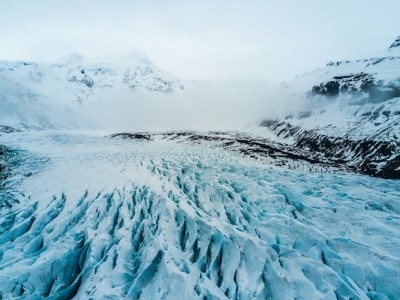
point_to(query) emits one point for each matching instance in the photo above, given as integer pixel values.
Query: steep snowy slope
(374, 79)
(351, 113)
(149, 217)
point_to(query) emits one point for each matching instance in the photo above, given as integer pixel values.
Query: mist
(200, 106)
(238, 52)
(209, 40)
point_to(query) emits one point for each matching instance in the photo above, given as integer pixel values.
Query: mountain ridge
(351, 112)
(84, 80)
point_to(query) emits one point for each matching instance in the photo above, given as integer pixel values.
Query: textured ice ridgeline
(282, 144)
(111, 218)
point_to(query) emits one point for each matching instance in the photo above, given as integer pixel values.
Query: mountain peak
(73, 58)
(396, 43)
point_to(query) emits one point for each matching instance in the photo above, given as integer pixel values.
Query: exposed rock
(396, 43)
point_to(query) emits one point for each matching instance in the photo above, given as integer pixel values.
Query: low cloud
(201, 106)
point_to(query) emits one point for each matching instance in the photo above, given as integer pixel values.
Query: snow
(250, 214)
(76, 79)
(112, 218)
(364, 106)
(73, 91)
(385, 67)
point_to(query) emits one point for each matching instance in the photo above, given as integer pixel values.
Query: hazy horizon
(225, 40)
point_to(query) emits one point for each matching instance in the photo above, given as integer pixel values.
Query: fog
(238, 51)
(201, 106)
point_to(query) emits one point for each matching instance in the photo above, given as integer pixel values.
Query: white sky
(208, 39)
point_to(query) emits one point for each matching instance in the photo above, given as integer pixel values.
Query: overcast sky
(207, 39)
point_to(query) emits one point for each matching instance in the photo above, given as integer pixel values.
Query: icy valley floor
(95, 217)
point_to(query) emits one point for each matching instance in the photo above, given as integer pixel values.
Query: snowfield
(96, 217)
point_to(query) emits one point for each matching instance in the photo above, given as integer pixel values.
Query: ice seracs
(133, 217)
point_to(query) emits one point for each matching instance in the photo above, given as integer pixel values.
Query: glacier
(102, 217)
(303, 205)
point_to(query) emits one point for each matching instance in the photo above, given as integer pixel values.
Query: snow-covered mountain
(351, 114)
(47, 95)
(83, 81)
(369, 80)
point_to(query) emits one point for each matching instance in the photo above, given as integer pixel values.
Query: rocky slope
(351, 114)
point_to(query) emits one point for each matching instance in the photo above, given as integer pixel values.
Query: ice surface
(111, 218)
